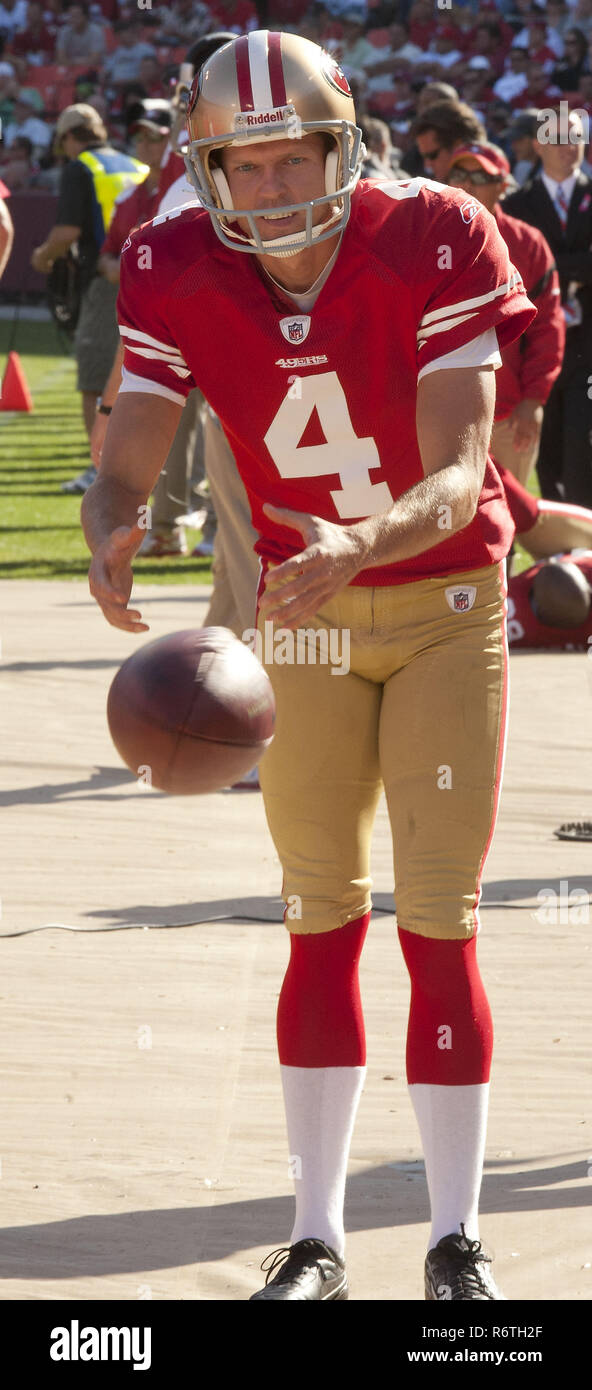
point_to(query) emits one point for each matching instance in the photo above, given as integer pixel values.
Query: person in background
(521, 135)
(433, 92)
(439, 130)
(91, 180)
(8, 92)
(581, 16)
(567, 72)
(13, 16)
(150, 77)
(558, 201)
(35, 44)
(80, 41)
(123, 64)
(514, 79)
(25, 122)
(540, 90)
(149, 129)
(19, 173)
(532, 364)
(382, 161)
(183, 20)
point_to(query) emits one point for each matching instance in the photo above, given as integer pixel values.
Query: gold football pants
(421, 712)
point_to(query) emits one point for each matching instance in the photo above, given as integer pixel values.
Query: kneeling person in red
(346, 334)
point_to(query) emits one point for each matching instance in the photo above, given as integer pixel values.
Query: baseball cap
(153, 115)
(80, 114)
(490, 157)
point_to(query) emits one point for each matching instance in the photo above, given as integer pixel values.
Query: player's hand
(297, 589)
(97, 437)
(526, 420)
(110, 577)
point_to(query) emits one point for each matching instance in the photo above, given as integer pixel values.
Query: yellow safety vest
(111, 172)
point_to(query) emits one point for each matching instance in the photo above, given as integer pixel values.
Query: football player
(346, 334)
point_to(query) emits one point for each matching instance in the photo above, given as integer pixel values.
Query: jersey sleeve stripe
(131, 382)
(476, 303)
(139, 337)
(425, 333)
(174, 364)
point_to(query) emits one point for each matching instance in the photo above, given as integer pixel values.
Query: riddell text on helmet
(255, 118)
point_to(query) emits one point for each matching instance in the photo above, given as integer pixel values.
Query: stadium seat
(56, 84)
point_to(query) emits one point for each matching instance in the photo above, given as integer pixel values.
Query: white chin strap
(274, 246)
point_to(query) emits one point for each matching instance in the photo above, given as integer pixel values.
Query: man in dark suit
(558, 200)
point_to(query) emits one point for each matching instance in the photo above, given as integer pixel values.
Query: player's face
(272, 174)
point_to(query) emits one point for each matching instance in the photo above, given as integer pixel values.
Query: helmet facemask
(342, 171)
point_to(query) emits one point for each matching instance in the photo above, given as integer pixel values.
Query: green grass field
(40, 532)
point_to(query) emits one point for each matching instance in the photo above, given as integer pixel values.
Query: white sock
(321, 1105)
(452, 1122)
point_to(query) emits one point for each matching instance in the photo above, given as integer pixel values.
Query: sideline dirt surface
(143, 1147)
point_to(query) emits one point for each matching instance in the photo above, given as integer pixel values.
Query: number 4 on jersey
(342, 453)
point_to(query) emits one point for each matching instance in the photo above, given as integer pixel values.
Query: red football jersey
(133, 207)
(319, 408)
(170, 170)
(526, 630)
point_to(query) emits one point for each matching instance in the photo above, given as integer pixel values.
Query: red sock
(320, 1021)
(450, 1031)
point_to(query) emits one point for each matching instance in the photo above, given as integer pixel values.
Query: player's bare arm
(141, 430)
(454, 418)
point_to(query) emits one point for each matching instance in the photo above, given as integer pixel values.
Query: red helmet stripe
(243, 74)
(276, 70)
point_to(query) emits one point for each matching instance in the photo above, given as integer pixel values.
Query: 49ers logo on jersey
(469, 210)
(296, 328)
(332, 71)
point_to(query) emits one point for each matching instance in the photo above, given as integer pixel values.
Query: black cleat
(309, 1270)
(457, 1270)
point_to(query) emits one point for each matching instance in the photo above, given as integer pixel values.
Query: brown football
(192, 712)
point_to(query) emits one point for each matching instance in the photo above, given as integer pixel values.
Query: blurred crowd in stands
(505, 59)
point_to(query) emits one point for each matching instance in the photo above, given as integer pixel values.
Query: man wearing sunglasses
(531, 364)
(438, 131)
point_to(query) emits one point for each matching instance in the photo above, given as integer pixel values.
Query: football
(191, 712)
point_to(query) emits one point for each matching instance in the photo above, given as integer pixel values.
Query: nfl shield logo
(460, 600)
(296, 328)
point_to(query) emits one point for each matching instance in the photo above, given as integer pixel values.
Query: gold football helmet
(272, 86)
